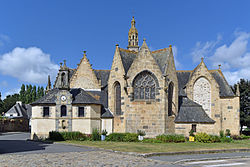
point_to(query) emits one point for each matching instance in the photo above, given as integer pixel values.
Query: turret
(133, 42)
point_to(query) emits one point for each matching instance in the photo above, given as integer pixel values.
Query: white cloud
(234, 57)
(30, 65)
(175, 53)
(204, 49)
(11, 92)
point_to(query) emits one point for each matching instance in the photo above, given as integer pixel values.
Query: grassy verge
(162, 147)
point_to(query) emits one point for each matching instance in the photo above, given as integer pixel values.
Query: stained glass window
(117, 98)
(144, 86)
(170, 98)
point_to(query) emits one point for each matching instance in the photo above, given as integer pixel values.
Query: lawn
(162, 147)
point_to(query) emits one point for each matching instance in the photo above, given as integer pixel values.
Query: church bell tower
(63, 76)
(133, 42)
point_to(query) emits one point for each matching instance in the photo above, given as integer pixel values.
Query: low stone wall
(14, 125)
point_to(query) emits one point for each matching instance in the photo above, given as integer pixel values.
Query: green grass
(162, 147)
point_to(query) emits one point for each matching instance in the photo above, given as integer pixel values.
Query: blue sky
(35, 36)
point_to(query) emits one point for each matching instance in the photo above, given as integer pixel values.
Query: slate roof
(79, 97)
(127, 57)
(107, 113)
(22, 110)
(102, 75)
(224, 87)
(191, 112)
(160, 56)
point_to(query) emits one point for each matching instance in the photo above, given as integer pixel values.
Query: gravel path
(75, 159)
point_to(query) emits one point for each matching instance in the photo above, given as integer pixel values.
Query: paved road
(16, 151)
(15, 142)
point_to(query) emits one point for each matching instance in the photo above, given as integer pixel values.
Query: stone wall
(14, 125)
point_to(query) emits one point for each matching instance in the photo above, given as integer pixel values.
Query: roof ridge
(184, 70)
(126, 50)
(101, 70)
(159, 50)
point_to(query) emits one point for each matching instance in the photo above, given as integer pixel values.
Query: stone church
(142, 91)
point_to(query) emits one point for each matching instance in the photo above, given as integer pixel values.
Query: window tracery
(144, 86)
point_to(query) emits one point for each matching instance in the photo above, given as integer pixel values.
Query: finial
(61, 64)
(219, 66)
(170, 46)
(64, 61)
(144, 39)
(238, 90)
(117, 45)
(202, 59)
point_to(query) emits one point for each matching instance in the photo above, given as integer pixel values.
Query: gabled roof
(79, 97)
(102, 75)
(107, 113)
(224, 87)
(22, 110)
(191, 112)
(160, 56)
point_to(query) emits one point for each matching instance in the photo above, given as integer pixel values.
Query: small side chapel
(142, 91)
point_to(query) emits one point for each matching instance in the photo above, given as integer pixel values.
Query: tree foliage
(244, 89)
(27, 95)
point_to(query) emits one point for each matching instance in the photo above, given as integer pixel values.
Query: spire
(133, 42)
(48, 87)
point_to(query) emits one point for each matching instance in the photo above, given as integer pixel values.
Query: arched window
(170, 98)
(144, 86)
(63, 111)
(202, 94)
(117, 90)
(63, 79)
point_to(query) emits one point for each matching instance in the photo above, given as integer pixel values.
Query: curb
(193, 152)
(208, 159)
(41, 141)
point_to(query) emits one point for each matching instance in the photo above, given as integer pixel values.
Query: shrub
(202, 137)
(226, 139)
(72, 135)
(95, 135)
(141, 133)
(214, 138)
(115, 137)
(171, 138)
(104, 132)
(130, 137)
(221, 133)
(61, 136)
(228, 132)
(56, 136)
(191, 132)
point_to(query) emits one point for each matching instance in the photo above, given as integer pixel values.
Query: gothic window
(170, 98)
(144, 86)
(117, 89)
(63, 111)
(63, 79)
(202, 94)
(45, 111)
(80, 111)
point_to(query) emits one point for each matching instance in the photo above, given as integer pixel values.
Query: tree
(9, 101)
(34, 93)
(28, 96)
(1, 104)
(42, 91)
(22, 93)
(244, 89)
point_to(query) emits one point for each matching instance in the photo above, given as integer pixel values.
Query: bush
(95, 135)
(104, 132)
(226, 139)
(130, 137)
(115, 137)
(61, 136)
(56, 136)
(171, 138)
(122, 137)
(206, 138)
(141, 133)
(221, 133)
(228, 132)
